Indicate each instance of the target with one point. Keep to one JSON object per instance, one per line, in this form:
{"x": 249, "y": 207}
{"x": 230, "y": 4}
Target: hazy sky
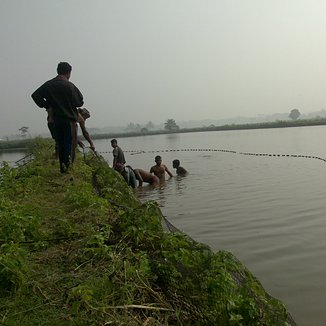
{"x": 141, "y": 60}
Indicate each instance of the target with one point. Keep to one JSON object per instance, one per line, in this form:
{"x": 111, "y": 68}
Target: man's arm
{"x": 115, "y": 156}
{"x": 168, "y": 171}
{"x": 80, "y": 143}
{"x": 38, "y": 98}
{"x": 138, "y": 177}
{"x": 85, "y": 132}
{"x": 78, "y": 97}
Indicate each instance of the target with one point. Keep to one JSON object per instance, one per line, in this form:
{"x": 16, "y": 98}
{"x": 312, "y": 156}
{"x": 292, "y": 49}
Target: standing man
{"x": 118, "y": 156}
{"x": 62, "y": 97}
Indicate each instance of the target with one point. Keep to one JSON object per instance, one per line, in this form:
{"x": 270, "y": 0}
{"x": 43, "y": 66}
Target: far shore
{"x": 24, "y": 144}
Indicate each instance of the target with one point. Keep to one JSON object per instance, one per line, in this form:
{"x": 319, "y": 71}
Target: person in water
{"x": 159, "y": 169}
{"x": 179, "y": 169}
{"x": 128, "y": 174}
{"x": 144, "y": 176}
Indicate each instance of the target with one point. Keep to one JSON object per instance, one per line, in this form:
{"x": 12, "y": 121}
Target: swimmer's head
{"x": 176, "y": 163}
{"x": 158, "y": 159}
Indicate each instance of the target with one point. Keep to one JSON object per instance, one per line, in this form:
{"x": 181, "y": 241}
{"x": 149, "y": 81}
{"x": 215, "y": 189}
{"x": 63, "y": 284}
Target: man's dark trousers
{"x": 65, "y": 132}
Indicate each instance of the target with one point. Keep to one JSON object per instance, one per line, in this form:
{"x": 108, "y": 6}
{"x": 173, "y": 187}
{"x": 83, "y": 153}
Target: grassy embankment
{"x": 24, "y": 143}
{"x": 80, "y": 249}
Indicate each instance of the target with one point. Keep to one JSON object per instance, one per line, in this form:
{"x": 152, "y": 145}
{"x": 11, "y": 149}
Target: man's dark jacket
{"x": 62, "y": 96}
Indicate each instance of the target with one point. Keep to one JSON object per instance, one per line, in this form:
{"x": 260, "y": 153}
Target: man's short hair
{"x": 114, "y": 141}
{"x": 120, "y": 167}
{"x": 176, "y": 162}
{"x": 63, "y": 68}
{"x": 158, "y": 157}
{"x": 84, "y": 112}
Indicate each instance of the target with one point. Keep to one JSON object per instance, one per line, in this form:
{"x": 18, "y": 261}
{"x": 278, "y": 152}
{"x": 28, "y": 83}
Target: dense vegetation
{"x": 80, "y": 249}
{"x": 25, "y": 143}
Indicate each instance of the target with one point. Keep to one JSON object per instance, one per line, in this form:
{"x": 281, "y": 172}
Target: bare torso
{"x": 159, "y": 171}
{"x": 147, "y": 177}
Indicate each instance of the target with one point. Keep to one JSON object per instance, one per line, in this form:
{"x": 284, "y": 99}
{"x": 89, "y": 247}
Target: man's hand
{"x": 81, "y": 144}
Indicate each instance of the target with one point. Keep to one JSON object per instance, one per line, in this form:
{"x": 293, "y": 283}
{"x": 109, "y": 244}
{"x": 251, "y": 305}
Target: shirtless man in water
{"x": 159, "y": 169}
{"x": 144, "y": 176}
{"x": 179, "y": 169}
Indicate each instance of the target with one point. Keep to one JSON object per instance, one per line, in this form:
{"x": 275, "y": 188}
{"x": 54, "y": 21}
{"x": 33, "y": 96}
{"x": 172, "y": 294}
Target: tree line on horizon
{"x": 172, "y": 127}
{"x": 169, "y": 125}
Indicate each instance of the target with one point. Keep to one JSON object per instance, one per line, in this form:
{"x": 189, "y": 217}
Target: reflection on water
{"x": 268, "y": 211}
{"x": 157, "y": 192}
{"x": 180, "y": 184}
{"x": 171, "y": 187}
